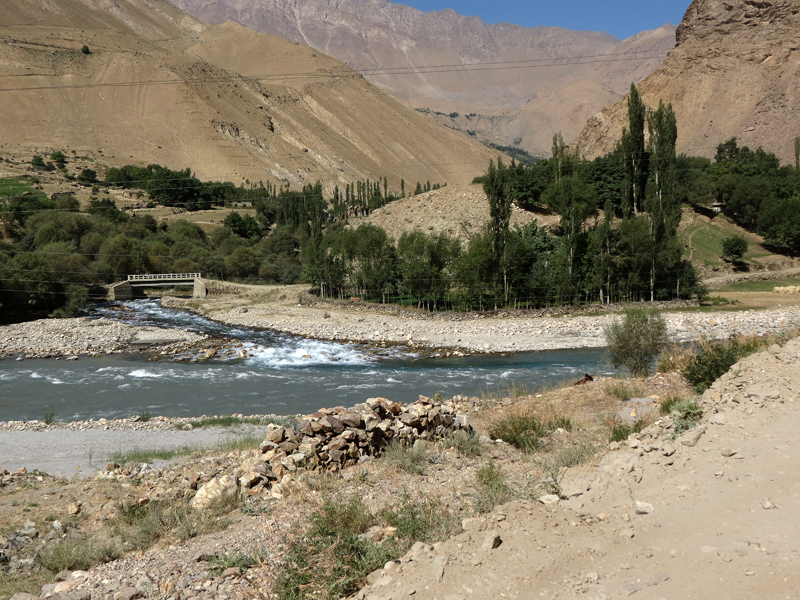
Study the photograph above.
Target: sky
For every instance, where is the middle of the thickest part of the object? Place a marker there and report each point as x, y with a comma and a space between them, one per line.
620, 18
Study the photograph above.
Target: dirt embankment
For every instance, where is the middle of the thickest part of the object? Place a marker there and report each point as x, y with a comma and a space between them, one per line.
710, 514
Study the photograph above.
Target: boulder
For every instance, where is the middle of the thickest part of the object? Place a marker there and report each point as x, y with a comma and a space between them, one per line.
217, 491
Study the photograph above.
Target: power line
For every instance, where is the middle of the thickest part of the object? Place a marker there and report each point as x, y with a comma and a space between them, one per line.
536, 63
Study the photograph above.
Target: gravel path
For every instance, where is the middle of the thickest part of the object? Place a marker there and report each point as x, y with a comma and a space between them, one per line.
67, 451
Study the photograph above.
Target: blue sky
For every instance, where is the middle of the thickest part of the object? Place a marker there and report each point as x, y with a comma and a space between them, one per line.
620, 18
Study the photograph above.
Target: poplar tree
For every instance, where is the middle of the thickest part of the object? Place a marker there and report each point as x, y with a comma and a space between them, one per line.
495, 185
661, 202
634, 153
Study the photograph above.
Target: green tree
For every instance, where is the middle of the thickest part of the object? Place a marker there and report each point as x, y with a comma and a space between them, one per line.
634, 154
575, 200
495, 185
734, 248
661, 202
636, 340
85, 49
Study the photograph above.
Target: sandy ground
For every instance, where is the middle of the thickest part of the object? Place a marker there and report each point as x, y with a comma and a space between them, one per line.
66, 453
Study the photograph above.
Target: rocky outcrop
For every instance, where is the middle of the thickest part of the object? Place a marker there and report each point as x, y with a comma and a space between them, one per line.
733, 73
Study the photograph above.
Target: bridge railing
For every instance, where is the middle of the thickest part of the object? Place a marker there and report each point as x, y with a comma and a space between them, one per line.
163, 276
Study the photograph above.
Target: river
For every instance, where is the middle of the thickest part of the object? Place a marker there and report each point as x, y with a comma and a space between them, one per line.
281, 375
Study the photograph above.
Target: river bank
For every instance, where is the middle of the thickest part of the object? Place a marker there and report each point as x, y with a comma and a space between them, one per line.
446, 334
458, 333
70, 338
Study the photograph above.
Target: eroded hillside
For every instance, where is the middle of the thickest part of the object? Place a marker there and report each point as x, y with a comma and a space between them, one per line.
156, 86
733, 73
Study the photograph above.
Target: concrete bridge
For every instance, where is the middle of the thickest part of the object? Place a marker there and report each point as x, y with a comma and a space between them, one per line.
134, 286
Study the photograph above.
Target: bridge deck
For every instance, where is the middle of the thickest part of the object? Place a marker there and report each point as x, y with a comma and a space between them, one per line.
163, 277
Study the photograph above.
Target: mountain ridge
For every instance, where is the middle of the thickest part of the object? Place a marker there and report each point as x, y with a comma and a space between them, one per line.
731, 74
517, 103
160, 87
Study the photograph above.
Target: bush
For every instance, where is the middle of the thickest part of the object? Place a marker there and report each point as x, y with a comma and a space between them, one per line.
465, 443
85, 49
685, 415
492, 488
734, 248
412, 459
622, 391
635, 341
525, 431
331, 561
425, 520
71, 555
717, 357
620, 431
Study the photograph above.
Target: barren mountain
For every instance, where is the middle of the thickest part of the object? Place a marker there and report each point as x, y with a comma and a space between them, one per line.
157, 86
518, 85
733, 72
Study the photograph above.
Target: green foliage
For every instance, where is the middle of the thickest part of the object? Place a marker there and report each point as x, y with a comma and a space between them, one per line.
492, 488
412, 459
330, 561
524, 430
85, 49
425, 519
49, 416
734, 247
716, 357
669, 403
466, 443
225, 561
636, 340
140, 527
685, 415
622, 390
75, 554
620, 431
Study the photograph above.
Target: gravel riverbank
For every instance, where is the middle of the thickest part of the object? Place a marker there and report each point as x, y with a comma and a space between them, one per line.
491, 334
68, 338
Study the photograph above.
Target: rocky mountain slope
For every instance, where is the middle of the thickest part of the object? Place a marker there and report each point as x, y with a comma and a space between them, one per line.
158, 86
518, 85
733, 72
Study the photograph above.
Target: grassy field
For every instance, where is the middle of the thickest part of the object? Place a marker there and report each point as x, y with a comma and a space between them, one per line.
704, 241
17, 186
758, 286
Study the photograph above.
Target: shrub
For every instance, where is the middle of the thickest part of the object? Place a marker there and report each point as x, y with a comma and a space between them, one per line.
620, 431
49, 416
622, 391
668, 404
525, 431
330, 561
71, 555
734, 248
411, 459
465, 443
85, 49
685, 415
635, 341
492, 488
717, 357
424, 520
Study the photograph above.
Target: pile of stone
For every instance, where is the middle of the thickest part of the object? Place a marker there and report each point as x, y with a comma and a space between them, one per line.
331, 439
